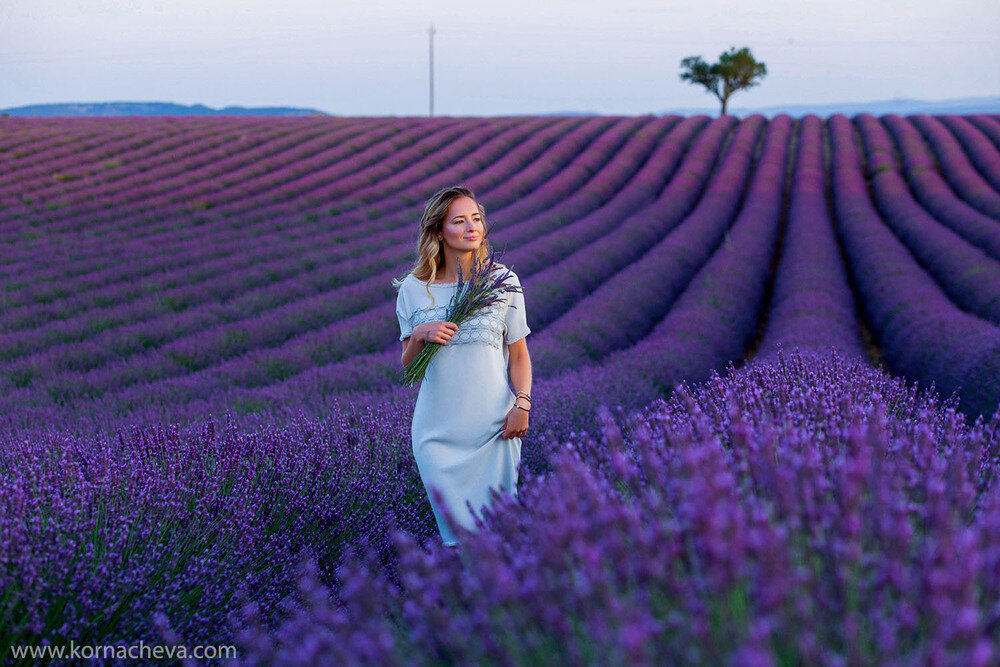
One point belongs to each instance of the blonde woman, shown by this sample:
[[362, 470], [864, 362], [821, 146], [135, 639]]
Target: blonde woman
[[467, 423]]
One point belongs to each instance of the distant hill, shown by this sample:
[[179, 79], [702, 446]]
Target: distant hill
[[151, 109], [900, 106]]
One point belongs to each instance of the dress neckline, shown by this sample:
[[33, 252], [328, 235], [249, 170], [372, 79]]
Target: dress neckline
[[424, 282]]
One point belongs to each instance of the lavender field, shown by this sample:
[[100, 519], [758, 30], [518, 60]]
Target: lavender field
[[766, 383]]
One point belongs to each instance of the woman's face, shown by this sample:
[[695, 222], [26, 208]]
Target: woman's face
[[463, 229]]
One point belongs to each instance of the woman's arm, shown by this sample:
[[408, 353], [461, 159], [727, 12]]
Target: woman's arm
[[411, 348], [515, 424], [428, 332], [520, 369]]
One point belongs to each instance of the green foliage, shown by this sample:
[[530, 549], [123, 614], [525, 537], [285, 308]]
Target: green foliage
[[53, 294], [146, 340], [250, 405], [172, 303], [236, 339], [102, 323], [184, 359], [277, 369], [735, 70], [21, 377]]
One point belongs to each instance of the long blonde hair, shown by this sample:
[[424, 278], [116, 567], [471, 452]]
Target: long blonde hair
[[430, 250]]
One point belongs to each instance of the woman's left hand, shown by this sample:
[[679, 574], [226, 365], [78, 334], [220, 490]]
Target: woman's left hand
[[515, 424]]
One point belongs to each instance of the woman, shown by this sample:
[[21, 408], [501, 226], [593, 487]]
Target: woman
[[467, 423]]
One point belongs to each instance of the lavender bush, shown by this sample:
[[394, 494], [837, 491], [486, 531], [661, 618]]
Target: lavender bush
[[807, 510]]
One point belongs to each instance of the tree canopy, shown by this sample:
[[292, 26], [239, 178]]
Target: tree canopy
[[735, 70]]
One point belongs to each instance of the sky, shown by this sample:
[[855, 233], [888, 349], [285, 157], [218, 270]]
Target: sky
[[371, 57]]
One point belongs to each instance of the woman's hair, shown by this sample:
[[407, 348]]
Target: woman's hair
[[430, 250]]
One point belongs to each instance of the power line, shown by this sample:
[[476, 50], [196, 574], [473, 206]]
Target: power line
[[431, 36]]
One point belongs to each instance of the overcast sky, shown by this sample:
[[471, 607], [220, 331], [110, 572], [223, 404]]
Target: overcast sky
[[513, 57]]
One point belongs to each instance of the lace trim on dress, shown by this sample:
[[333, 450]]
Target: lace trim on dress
[[486, 326]]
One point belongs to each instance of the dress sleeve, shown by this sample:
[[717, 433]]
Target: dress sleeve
[[515, 320], [403, 313]]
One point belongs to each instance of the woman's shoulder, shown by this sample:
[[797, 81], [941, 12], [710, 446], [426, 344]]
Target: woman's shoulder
[[509, 276], [414, 287], [405, 284]]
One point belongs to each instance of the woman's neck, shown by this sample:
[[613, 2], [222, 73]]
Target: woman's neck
[[449, 273]]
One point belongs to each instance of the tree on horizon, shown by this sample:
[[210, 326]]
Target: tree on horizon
[[735, 70]]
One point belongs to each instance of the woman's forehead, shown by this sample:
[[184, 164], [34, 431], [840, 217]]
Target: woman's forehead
[[462, 206]]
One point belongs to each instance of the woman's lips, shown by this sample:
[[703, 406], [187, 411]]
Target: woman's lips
[[472, 238]]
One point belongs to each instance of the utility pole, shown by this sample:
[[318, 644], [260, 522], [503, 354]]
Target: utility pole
[[431, 34]]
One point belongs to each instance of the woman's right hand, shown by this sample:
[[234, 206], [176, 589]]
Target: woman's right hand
[[436, 332]]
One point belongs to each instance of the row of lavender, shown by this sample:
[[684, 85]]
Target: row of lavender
[[99, 174], [131, 232], [249, 203], [233, 170], [627, 284], [43, 297], [590, 227], [258, 339], [175, 254], [151, 220], [924, 336], [553, 201], [352, 160]]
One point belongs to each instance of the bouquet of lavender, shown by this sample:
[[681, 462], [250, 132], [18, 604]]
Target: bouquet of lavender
[[480, 291]]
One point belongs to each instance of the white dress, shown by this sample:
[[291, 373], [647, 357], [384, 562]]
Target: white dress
[[463, 400]]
